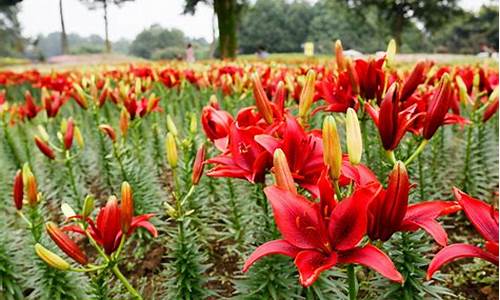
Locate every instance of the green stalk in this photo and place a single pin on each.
(351, 278)
(69, 166)
(125, 282)
(417, 152)
(467, 158)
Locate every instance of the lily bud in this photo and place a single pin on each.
(44, 148)
(280, 96)
(391, 53)
(29, 182)
(66, 244)
(127, 207)
(50, 258)
(261, 100)
(490, 111)
(332, 149)
(67, 210)
(438, 107)
(353, 76)
(193, 124)
(109, 131)
(171, 148)
(339, 56)
(416, 78)
(353, 137)
(307, 94)
(69, 134)
(43, 133)
(79, 138)
(462, 91)
(18, 190)
(88, 206)
(198, 165)
(138, 86)
(81, 100)
(152, 102)
(171, 126)
(282, 173)
(124, 120)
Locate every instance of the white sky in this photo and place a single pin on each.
(42, 17)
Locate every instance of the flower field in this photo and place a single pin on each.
(345, 179)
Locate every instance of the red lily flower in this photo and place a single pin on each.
(439, 106)
(30, 108)
(389, 211)
(244, 158)
(318, 239)
(485, 219)
(391, 120)
(216, 125)
(415, 78)
(304, 152)
(337, 93)
(107, 230)
(371, 78)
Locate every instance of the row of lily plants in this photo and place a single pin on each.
(353, 180)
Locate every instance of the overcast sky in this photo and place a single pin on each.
(42, 17)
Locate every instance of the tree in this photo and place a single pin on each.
(64, 37)
(277, 25)
(12, 43)
(228, 16)
(155, 39)
(399, 13)
(94, 4)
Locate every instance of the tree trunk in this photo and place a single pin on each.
(106, 42)
(211, 51)
(397, 29)
(64, 37)
(227, 15)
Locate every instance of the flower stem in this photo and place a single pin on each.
(351, 278)
(69, 166)
(417, 152)
(125, 282)
(390, 155)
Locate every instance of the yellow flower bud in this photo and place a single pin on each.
(332, 150)
(171, 148)
(307, 95)
(51, 258)
(171, 126)
(67, 210)
(193, 124)
(29, 182)
(88, 206)
(339, 56)
(138, 86)
(78, 137)
(43, 133)
(462, 89)
(391, 53)
(353, 137)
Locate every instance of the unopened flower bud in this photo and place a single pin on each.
(353, 137)
(67, 210)
(332, 151)
(44, 147)
(193, 124)
(50, 258)
(127, 207)
(66, 244)
(282, 173)
(18, 190)
(124, 121)
(391, 53)
(29, 182)
(353, 76)
(171, 126)
(69, 134)
(198, 165)
(171, 148)
(462, 91)
(79, 137)
(109, 131)
(43, 133)
(88, 206)
(339, 56)
(261, 100)
(307, 95)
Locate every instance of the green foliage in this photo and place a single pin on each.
(154, 39)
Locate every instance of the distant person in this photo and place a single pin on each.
(190, 54)
(262, 53)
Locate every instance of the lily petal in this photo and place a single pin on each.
(311, 263)
(272, 247)
(372, 257)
